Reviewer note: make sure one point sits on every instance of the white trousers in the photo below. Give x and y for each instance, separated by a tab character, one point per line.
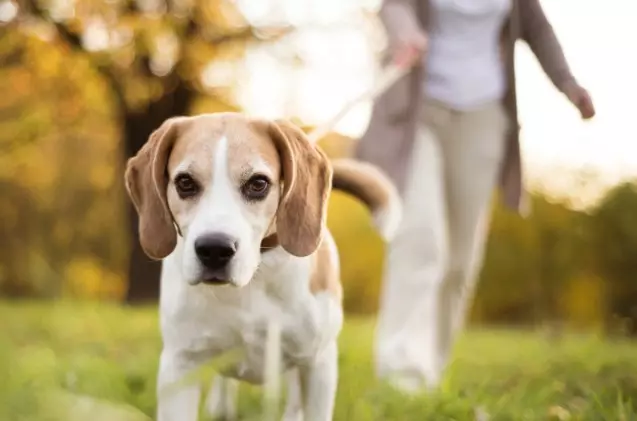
432	264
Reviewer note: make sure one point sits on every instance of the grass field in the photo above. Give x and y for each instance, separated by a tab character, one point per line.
54	357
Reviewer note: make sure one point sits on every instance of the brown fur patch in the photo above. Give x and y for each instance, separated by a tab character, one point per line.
325	273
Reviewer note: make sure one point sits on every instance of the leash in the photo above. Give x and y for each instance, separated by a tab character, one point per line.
390	75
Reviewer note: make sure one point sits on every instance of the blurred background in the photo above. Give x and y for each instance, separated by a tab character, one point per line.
84	82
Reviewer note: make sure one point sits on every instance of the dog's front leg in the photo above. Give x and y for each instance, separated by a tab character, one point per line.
294	405
222	399
318	385
177	396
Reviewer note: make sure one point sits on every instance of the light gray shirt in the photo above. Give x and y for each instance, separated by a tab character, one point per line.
464	67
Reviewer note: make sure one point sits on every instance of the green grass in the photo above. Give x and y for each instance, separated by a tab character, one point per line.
54	356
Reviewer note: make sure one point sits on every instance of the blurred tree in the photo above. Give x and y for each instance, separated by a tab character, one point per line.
560	247
506	288
54	207
529	263
156	57
614	231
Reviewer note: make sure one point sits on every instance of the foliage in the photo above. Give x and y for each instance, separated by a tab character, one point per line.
59	177
79	355
145	51
614	237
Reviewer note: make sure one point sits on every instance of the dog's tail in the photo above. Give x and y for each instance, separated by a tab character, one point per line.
371	186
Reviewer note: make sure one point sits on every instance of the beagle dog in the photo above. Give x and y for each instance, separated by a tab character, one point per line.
236	209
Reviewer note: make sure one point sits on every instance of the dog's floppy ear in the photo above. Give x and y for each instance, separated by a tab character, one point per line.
146	183
307	180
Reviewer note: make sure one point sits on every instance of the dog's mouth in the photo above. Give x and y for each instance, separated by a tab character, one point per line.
211	279
214	280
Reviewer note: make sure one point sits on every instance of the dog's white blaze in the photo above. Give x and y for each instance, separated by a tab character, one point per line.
222	197
219	209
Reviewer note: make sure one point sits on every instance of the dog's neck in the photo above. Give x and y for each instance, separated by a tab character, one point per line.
269	243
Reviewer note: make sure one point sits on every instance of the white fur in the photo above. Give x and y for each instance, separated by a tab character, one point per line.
200	322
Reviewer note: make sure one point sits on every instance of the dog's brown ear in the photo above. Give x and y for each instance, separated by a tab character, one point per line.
146	183
307	181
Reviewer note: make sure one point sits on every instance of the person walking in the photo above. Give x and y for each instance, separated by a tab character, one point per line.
447	135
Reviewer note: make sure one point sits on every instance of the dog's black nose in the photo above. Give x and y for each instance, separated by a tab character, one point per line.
215	250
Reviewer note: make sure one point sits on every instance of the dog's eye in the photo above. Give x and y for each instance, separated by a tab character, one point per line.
256	187
186	186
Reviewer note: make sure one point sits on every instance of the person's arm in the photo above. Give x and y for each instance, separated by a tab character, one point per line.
538	33
406	38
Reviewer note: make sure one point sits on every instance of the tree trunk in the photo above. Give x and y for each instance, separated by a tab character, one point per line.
143	273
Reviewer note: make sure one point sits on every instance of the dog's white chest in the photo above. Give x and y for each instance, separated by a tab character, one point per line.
213	321
299	330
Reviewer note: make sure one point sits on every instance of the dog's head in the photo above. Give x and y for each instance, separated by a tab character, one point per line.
224	183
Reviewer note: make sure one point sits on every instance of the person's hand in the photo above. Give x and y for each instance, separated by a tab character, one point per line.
581	99
409	48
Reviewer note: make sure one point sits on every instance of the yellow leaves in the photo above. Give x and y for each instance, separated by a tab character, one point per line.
102	175
337	146
33	168
583	300
20	82
212	104
86	278
75	25
69	109
47	62
139	90
62	232
8	214
221	14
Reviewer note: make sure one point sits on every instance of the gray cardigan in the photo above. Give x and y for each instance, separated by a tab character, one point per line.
389	138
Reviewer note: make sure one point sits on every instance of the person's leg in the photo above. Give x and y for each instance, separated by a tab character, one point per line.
473	151
407	331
